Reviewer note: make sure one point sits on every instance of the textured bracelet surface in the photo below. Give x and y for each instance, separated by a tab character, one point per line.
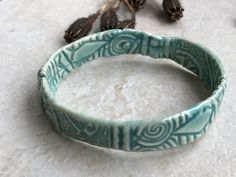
133	135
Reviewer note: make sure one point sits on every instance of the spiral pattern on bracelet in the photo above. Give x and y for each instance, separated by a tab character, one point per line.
122	44
155	134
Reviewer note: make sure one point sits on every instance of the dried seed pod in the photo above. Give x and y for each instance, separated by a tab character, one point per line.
109	20
137	4
127	24
80	28
173	9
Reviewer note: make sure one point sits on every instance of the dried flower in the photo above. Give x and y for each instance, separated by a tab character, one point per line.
173	9
109	20
126	24
80	28
137	4
130	23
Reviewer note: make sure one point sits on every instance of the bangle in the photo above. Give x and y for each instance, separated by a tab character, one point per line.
133	135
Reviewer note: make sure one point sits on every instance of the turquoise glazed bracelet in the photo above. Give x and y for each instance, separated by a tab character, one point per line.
133	135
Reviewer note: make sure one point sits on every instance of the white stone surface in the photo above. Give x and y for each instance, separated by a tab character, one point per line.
130	87
32	30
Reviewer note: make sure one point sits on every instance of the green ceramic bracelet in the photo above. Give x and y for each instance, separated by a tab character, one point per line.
133	135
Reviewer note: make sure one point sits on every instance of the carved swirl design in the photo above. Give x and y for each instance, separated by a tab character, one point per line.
171	132
155	134
122	44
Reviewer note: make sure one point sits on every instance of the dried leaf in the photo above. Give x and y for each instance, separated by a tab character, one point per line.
109	20
173	9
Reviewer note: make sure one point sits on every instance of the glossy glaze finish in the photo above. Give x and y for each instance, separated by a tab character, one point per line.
133	135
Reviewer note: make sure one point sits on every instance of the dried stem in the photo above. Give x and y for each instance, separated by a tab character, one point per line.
117	5
130	23
105	7
129	6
